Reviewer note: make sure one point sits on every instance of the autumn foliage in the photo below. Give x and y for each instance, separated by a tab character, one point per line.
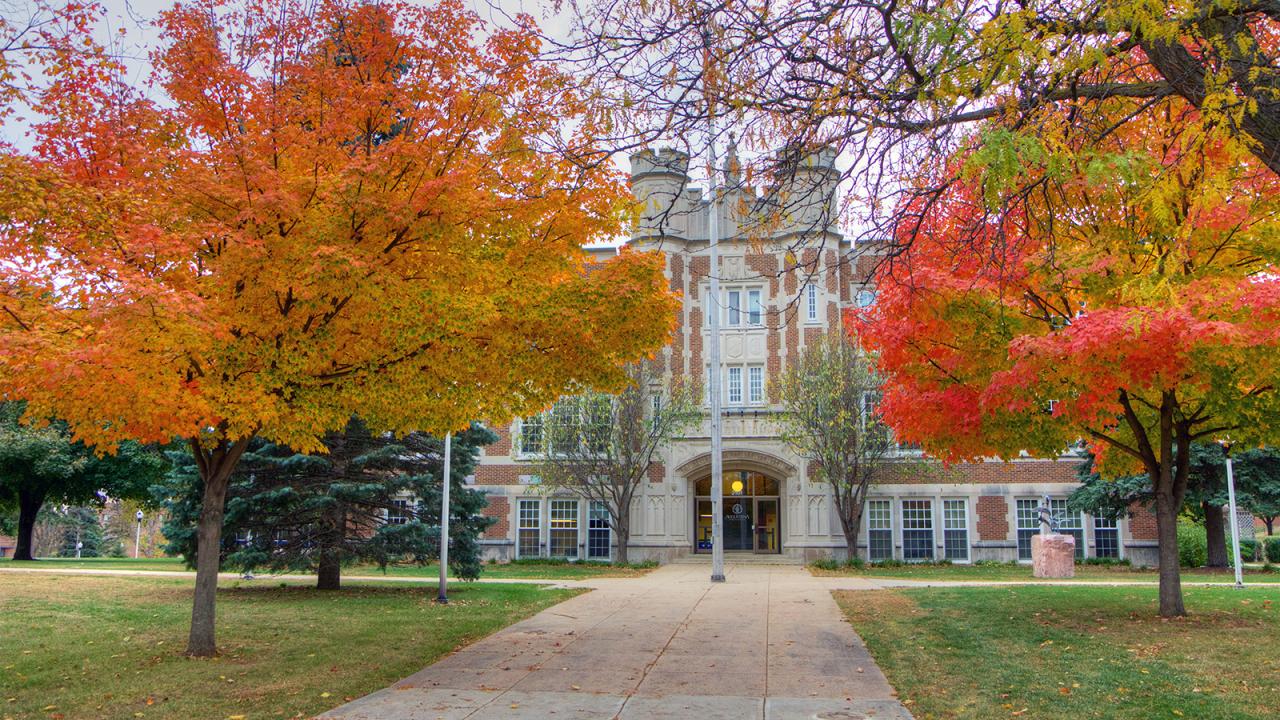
1120	292
319	209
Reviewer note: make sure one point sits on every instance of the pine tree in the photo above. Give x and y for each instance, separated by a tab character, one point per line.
371	498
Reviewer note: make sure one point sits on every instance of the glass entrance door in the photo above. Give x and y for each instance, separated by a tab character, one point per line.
738	524
766	525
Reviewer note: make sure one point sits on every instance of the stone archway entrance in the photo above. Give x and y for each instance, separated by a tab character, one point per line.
754	500
751	518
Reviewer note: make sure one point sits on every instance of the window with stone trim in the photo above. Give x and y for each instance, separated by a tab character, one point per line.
734	385
399	512
755	384
529	528
531	435
811	303
879	530
1028	525
955	530
562	529
599	537
917	530
1106	538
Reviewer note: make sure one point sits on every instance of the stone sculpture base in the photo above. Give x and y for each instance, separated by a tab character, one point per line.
1053	556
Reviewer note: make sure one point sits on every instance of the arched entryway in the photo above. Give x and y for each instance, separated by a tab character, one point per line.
751	513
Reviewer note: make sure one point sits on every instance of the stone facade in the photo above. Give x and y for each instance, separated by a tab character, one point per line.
782	288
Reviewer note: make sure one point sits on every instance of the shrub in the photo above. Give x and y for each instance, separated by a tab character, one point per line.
1248	550
1272	552
1106	561
1193	549
832	564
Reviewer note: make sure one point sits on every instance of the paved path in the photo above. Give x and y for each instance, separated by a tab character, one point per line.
769	643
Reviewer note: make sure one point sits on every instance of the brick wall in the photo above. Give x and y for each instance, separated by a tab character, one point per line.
503	444
500	474
657	472
993	472
499	507
993	517
1142	523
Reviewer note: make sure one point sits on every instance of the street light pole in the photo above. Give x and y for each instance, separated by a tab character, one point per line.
137	537
443	596
1235	524
713	298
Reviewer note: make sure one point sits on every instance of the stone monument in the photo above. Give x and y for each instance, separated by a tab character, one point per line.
1053	554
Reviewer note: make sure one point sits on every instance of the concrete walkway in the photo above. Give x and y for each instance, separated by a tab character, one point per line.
768	643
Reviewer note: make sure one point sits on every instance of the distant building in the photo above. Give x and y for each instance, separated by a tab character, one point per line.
781	288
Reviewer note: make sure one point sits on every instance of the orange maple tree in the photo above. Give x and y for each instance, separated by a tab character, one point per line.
1122	293
320	209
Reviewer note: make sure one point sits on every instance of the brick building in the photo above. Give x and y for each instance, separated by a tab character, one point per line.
781	287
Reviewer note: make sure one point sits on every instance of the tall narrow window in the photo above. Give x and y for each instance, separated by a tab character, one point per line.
811	303
735	308
1069	523
755	384
917	530
955	529
1028	525
531	435
598	537
563	529
656	400
755	315
735	386
529	528
879	530
567	430
1106	538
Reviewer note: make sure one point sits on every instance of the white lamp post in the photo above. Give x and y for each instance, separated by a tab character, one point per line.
1235	524
137	538
443	596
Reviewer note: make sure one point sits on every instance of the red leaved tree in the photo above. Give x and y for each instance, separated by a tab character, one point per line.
1121	292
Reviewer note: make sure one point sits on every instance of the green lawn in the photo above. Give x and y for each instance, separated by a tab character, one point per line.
1007	572
74	646
522	570
1074	652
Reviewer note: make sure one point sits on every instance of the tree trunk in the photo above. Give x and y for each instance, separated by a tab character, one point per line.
1215	529
624	539
1268	521
329	573
1170	577
216	467
29	504
851	524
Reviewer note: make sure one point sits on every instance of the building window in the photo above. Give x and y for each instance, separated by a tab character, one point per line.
1028	525
1069	523
955	530
1106	538
811	303
563	529
755	314
917	530
398	513
598	533
735	386
531	435
755	384
743	306
529	529
866	298
879	530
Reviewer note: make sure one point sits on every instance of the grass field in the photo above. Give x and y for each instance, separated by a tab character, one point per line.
521	570
87	647
1074	652
1006	572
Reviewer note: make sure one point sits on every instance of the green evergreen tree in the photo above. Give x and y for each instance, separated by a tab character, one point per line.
1257	476
371	498
42	464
